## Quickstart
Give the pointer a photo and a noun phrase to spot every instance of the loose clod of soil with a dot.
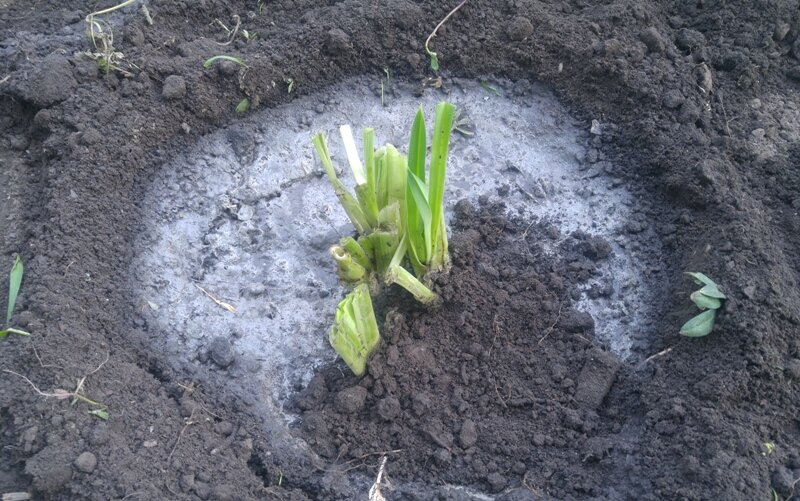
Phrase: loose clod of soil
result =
(684, 116)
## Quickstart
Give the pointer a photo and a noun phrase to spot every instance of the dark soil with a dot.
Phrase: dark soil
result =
(697, 102)
(498, 387)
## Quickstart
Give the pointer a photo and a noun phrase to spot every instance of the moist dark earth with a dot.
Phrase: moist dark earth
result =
(697, 101)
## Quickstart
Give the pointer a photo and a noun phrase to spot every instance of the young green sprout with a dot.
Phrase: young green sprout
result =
(14, 282)
(354, 334)
(708, 298)
(397, 209)
(398, 214)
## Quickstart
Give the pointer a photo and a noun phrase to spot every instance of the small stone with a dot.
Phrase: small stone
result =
(468, 435)
(781, 30)
(792, 369)
(652, 39)
(86, 462)
(389, 408)
(520, 29)
(149, 444)
(749, 291)
(336, 42)
(221, 351)
(174, 87)
(351, 400)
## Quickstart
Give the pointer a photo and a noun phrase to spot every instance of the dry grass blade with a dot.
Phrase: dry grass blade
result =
(212, 297)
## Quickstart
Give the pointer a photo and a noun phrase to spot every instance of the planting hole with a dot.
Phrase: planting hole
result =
(235, 279)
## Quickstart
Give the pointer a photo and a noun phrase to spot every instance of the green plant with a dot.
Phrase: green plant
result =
(397, 212)
(14, 282)
(243, 106)
(102, 37)
(709, 299)
(289, 85)
(397, 209)
(354, 334)
(211, 60)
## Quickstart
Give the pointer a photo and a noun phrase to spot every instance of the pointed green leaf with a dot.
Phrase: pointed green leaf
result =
(15, 280)
(705, 302)
(442, 127)
(417, 146)
(700, 279)
(700, 325)
(434, 62)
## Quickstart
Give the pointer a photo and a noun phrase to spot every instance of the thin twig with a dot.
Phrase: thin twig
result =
(550, 329)
(212, 297)
(651, 357)
(433, 33)
(188, 423)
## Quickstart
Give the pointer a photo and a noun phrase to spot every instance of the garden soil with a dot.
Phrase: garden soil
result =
(503, 389)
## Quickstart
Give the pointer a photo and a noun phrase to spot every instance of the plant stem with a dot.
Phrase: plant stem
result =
(402, 277)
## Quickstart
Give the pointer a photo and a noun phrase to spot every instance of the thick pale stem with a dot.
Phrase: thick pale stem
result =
(349, 270)
(348, 201)
(357, 252)
(402, 277)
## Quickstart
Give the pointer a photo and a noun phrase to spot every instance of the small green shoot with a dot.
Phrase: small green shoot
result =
(243, 106)
(433, 56)
(708, 298)
(289, 85)
(260, 5)
(769, 448)
(99, 413)
(14, 283)
(354, 334)
(210, 61)
(249, 36)
(490, 89)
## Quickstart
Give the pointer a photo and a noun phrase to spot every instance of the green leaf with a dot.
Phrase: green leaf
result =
(15, 280)
(354, 334)
(243, 106)
(705, 302)
(101, 413)
(434, 61)
(211, 60)
(417, 146)
(442, 127)
(369, 157)
(699, 326)
(712, 291)
(489, 88)
(420, 242)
